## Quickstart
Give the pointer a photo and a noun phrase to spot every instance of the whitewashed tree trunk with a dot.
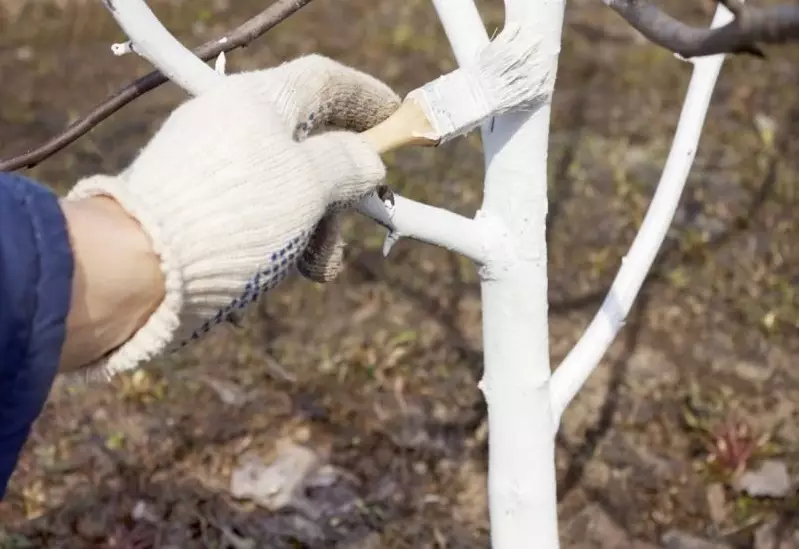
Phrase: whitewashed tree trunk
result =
(507, 240)
(521, 454)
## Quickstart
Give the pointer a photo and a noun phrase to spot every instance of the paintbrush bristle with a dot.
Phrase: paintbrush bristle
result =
(513, 72)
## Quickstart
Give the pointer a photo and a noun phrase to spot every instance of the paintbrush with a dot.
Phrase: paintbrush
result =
(511, 72)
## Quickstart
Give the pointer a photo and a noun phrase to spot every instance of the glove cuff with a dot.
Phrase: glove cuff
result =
(159, 330)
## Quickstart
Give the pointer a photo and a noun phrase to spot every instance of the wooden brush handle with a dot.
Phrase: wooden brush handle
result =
(406, 127)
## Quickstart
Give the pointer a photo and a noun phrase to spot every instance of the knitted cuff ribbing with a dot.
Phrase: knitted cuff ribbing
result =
(159, 330)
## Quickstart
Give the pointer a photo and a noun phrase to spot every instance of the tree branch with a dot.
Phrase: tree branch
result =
(585, 356)
(476, 239)
(751, 27)
(237, 38)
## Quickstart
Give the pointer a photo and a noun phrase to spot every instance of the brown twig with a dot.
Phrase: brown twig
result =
(751, 27)
(238, 37)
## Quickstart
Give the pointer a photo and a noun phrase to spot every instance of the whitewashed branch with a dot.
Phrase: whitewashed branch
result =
(589, 350)
(156, 44)
(149, 38)
(466, 34)
(463, 26)
(473, 238)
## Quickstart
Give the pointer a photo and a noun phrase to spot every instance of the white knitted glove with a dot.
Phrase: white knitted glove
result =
(231, 192)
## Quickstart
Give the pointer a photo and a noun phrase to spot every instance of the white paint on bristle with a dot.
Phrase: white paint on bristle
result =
(510, 73)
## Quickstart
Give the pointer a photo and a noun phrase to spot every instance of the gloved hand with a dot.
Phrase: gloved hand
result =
(233, 195)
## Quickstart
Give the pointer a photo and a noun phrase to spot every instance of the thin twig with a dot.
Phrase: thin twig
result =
(239, 37)
(751, 27)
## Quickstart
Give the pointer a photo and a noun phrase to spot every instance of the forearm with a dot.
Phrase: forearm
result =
(36, 270)
(117, 281)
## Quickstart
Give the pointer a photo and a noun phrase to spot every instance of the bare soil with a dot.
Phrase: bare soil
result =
(377, 371)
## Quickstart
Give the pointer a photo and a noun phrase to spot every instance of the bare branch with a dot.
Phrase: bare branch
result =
(751, 27)
(241, 36)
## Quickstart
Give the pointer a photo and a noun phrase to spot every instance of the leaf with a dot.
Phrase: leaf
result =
(717, 503)
(228, 392)
(115, 440)
(278, 484)
(766, 127)
(407, 336)
(770, 480)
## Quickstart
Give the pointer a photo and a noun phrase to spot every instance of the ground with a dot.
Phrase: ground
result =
(376, 372)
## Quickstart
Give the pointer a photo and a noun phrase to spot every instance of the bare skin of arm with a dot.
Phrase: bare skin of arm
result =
(117, 281)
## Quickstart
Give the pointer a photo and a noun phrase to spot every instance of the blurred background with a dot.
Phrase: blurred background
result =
(369, 382)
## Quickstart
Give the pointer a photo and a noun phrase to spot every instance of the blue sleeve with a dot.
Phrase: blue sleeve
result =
(36, 268)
